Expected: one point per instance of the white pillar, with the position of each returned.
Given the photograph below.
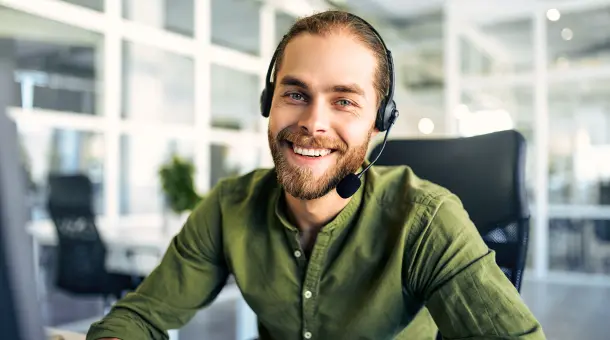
(452, 67)
(203, 90)
(108, 60)
(541, 140)
(149, 12)
(146, 102)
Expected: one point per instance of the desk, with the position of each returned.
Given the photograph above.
(65, 335)
(136, 247)
(133, 250)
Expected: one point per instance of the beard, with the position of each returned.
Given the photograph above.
(300, 182)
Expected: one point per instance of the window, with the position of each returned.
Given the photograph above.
(158, 85)
(236, 25)
(60, 151)
(235, 99)
(141, 159)
(176, 16)
(97, 5)
(55, 65)
(283, 22)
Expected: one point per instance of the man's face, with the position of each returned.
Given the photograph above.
(323, 112)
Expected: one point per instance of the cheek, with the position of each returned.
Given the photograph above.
(355, 134)
(275, 125)
(279, 119)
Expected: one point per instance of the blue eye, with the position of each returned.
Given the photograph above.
(296, 96)
(344, 102)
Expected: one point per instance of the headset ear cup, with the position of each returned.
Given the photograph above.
(390, 112)
(384, 115)
(266, 99)
(379, 120)
(262, 102)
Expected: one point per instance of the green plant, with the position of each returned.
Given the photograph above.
(177, 183)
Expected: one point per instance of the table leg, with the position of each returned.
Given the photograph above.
(246, 321)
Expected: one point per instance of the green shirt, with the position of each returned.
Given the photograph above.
(399, 259)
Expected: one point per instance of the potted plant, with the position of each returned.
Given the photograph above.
(180, 196)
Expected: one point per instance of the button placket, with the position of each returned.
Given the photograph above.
(311, 282)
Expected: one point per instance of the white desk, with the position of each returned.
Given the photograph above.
(135, 246)
(132, 249)
(65, 335)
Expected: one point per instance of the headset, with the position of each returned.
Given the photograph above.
(385, 119)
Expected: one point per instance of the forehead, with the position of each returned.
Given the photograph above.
(334, 58)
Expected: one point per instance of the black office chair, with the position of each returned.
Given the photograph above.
(487, 173)
(81, 261)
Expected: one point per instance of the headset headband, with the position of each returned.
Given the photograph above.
(387, 108)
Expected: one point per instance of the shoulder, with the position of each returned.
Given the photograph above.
(251, 186)
(422, 208)
(235, 197)
(436, 227)
(399, 187)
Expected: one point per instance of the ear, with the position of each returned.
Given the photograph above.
(372, 140)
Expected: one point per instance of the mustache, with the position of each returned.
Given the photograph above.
(309, 141)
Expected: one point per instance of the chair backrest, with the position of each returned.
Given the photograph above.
(602, 227)
(487, 173)
(81, 252)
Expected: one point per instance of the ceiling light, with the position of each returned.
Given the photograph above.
(567, 34)
(485, 121)
(426, 126)
(553, 14)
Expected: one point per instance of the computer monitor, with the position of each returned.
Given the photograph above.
(20, 315)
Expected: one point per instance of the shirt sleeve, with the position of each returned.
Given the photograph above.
(456, 276)
(190, 276)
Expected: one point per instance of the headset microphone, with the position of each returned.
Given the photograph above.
(351, 183)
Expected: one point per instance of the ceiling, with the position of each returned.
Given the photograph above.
(589, 37)
(410, 8)
(392, 9)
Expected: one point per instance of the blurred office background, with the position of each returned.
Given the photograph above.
(114, 88)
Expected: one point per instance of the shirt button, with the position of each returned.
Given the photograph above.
(307, 294)
(297, 253)
(307, 335)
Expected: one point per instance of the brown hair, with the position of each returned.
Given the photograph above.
(327, 22)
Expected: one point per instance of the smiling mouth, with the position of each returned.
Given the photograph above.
(309, 152)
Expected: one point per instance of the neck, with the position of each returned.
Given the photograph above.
(311, 215)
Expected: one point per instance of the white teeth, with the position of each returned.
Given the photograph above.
(310, 152)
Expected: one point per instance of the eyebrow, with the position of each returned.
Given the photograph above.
(349, 88)
(344, 88)
(294, 81)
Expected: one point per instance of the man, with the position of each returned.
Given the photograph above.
(315, 265)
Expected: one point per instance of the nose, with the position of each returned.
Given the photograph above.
(314, 119)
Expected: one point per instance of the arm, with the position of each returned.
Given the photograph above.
(189, 277)
(465, 291)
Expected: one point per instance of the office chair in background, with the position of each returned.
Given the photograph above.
(81, 252)
(487, 173)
